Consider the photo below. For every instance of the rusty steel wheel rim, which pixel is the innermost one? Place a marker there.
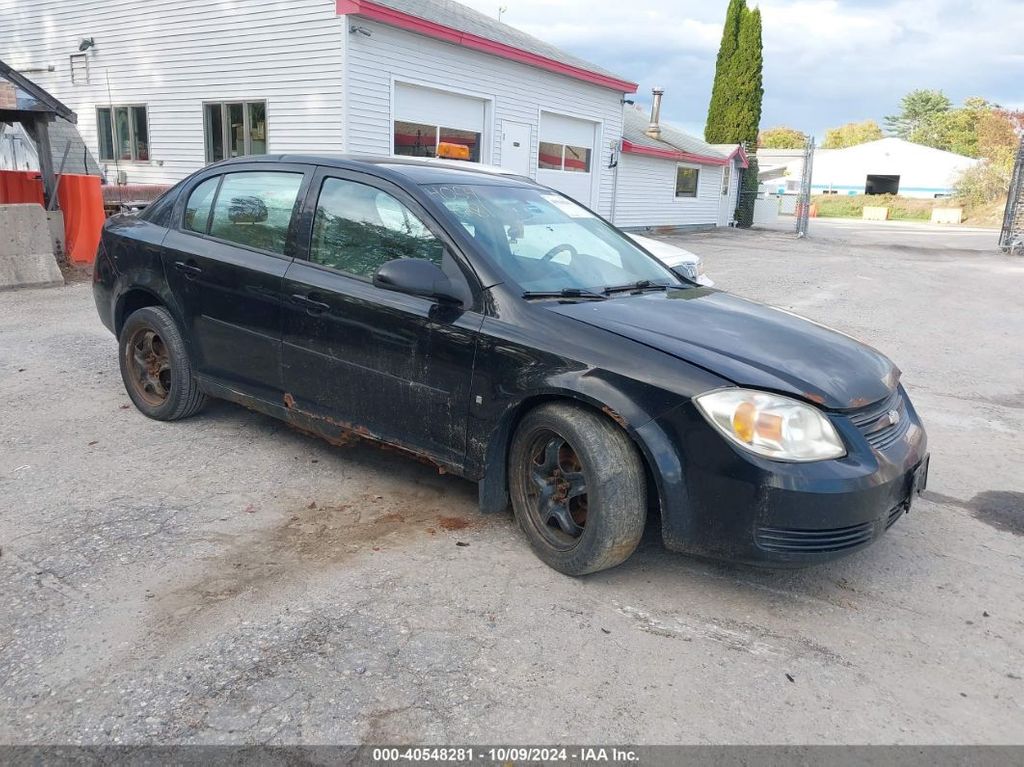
(149, 366)
(556, 490)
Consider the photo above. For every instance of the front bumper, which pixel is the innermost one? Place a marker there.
(721, 501)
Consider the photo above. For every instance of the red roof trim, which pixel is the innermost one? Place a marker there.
(672, 154)
(742, 154)
(390, 16)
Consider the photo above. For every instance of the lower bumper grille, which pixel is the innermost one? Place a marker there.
(895, 514)
(784, 539)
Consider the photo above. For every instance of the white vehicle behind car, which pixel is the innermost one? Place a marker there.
(689, 264)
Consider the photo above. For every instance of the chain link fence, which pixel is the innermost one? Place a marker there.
(1011, 238)
(803, 202)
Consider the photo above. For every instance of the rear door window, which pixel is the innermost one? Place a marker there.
(255, 208)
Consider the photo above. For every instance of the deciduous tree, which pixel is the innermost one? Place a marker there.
(782, 137)
(851, 134)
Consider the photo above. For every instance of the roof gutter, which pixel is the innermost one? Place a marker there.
(671, 154)
(390, 16)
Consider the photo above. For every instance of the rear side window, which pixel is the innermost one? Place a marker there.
(255, 209)
(359, 227)
(197, 210)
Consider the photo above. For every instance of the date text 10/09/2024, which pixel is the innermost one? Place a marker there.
(504, 755)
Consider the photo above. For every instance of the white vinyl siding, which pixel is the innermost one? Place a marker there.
(646, 194)
(514, 92)
(173, 55)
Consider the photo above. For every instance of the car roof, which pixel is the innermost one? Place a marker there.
(410, 169)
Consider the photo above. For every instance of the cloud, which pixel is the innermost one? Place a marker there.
(826, 61)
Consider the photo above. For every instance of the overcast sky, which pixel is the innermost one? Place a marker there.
(827, 62)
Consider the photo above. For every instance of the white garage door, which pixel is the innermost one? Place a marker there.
(432, 123)
(566, 155)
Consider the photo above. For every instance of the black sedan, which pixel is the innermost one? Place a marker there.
(515, 338)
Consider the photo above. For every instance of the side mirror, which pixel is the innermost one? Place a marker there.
(416, 277)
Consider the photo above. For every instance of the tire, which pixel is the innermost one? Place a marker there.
(555, 448)
(155, 367)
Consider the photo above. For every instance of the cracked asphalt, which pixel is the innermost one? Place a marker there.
(226, 579)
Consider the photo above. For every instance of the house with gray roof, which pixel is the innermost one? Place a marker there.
(669, 179)
(160, 95)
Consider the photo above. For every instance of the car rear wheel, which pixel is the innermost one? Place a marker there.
(578, 489)
(155, 367)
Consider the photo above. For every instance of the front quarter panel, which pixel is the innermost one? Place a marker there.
(528, 355)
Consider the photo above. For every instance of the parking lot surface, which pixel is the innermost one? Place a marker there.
(226, 579)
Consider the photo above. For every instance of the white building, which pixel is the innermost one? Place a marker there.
(670, 179)
(886, 166)
(162, 88)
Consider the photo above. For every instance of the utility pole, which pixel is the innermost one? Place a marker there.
(501, 10)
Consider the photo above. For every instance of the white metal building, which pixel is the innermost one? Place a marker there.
(162, 87)
(889, 165)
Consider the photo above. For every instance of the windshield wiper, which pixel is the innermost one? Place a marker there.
(564, 293)
(635, 287)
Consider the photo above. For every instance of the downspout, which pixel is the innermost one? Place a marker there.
(617, 149)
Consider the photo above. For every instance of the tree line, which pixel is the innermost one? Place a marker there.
(977, 128)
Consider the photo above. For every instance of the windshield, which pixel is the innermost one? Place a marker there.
(546, 242)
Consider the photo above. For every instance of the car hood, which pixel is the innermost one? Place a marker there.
(748, 343)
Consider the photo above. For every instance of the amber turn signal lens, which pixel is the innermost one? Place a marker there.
(743, 421)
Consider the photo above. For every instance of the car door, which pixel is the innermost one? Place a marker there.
(225, 262)
(396, 365)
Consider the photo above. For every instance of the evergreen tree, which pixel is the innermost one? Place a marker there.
(734, 113)
(749, 81)
(723, 87)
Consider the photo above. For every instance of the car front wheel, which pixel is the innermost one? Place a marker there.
(577, 487)
(155, 366)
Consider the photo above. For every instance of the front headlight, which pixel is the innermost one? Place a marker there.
(689, 269)
(771, 425)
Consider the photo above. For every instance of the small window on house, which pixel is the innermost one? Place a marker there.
(255, 209)
(425, 140)
(574, 159)
(79, 68)
(726, 178)
(549, 156)
(122, 133)
(687, 180)
(234, 129)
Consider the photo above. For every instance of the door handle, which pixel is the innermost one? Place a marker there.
(310, 304)
(191, 271)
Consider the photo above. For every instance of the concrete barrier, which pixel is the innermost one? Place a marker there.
(947, 215)
(26, 248)
(875, 213)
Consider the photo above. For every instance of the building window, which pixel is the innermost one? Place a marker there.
(687, 180)
(234, 129)
(122, 133)
(79, 68)
(574, 159)
(424, 140)
(726, 178)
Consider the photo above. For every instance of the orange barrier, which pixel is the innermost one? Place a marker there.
(81, 202)
(20, 186)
